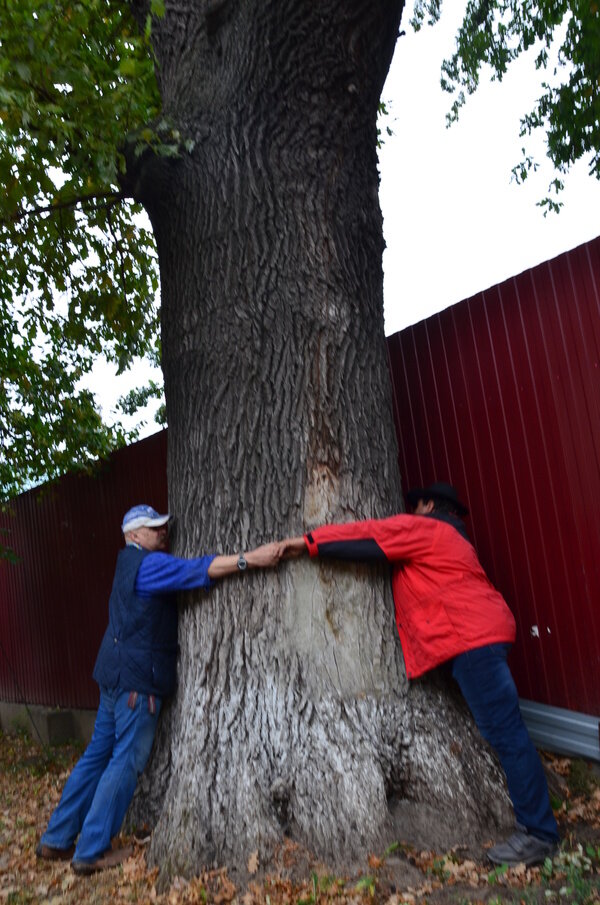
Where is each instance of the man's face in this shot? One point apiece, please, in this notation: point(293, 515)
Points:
point(152, 539)
point(424, 507)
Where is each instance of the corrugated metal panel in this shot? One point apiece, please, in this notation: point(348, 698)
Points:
point(500, 394)
point(563, 731)
point(55, 599)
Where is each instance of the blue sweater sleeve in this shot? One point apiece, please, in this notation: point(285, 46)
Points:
point(161, 573)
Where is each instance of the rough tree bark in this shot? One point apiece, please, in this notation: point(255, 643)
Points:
point(293, 714)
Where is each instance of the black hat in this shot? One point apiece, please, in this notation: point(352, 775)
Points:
point(438, 491)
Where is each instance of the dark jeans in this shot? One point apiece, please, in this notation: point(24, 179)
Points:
point(489, 690)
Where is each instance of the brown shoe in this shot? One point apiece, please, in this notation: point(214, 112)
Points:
point(111, 858)
point(48, 853)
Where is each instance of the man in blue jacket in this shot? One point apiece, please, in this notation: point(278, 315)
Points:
point(135, 669)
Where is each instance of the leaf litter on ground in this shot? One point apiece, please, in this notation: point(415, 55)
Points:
point(31, 781)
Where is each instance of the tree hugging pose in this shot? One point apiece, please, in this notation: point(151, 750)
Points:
point(135, 670)
point(448, 611)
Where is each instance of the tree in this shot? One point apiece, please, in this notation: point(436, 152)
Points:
point(292, 715)
point(255, 158)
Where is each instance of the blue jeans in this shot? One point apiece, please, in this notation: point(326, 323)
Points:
point(489, 690)
point(101, 786)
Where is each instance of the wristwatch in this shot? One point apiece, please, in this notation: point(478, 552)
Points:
point(241, 563)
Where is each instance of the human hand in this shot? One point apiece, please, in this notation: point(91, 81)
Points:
point(292, 547)
point(265, 556)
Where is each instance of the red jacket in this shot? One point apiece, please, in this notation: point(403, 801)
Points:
point(445, 604)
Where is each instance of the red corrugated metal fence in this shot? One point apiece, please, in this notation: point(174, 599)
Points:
point(500, 394)
point(54, 601)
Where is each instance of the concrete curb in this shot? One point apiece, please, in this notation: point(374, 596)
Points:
point(53, 725)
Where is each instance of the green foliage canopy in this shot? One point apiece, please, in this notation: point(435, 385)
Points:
point(496, 32)
point(79, 273)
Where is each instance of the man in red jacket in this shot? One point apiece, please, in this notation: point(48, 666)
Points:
point(447, 610)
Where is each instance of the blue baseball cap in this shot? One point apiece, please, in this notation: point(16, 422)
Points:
point(143, 517)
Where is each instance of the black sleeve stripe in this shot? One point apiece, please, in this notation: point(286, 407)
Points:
point(366, 550)
point(310, 538)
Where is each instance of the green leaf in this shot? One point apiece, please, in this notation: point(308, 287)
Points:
point(129, 67)
point(23, 70)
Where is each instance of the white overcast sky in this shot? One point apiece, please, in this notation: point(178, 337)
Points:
point(454, 224)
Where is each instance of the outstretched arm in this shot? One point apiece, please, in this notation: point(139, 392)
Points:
point(263, 557)
point(372, 540)
point(161, 573)
point(343, 546)
point(293, 547)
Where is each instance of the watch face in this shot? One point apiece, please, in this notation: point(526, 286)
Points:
point(242, 562)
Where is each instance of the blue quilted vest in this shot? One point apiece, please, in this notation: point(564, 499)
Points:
point(139, 648)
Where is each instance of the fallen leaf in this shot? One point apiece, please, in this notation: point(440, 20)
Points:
point(253, 863)
point(226, 893)
point(67, 882)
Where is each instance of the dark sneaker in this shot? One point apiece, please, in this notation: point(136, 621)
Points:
point(522, 848)
point(48, 853)
point(111, 858)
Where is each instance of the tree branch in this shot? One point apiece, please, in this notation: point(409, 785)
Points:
point(110, 197)
point(139, 11)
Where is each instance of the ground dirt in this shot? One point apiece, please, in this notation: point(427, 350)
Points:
point(31, 780)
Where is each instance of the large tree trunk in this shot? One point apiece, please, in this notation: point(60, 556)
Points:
point(293, 714)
